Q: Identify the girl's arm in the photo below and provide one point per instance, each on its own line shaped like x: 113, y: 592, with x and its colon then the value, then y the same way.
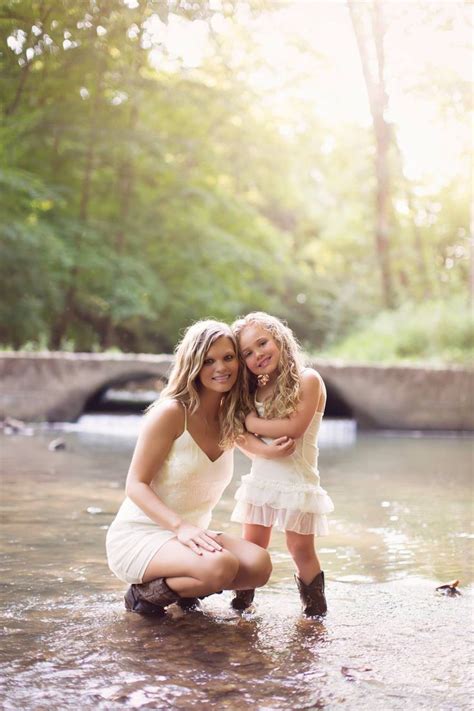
x: 253, y: 447
x: 312, y: 399
x: 161, y: 426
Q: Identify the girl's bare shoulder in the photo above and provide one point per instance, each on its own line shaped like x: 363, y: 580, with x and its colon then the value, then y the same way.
x: 312, y: 387
x: 311, y: 377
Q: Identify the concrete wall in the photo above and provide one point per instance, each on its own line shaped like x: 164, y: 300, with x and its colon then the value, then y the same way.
x: 56, y: 386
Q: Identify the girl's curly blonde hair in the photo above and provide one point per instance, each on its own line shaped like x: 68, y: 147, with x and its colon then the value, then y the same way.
x: 183, y: 383
x: 288, y: 383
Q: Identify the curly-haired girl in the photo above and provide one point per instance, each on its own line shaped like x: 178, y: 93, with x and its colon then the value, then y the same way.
x: 281, y: 397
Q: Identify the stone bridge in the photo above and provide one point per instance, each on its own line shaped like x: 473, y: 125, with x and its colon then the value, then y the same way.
x: 57, y: 386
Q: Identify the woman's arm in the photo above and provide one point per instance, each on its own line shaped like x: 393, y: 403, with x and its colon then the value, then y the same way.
x: 161, y: 426
x: 253, y: 447
x: 312, y: 399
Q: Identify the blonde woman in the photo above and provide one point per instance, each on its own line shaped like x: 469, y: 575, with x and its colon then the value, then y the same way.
x: 160, y: 542
x: 281, y: 397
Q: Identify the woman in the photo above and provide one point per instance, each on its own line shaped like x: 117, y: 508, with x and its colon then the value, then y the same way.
x: 159, y: 541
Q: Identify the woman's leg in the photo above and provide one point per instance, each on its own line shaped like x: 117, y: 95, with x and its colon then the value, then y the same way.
x: 239, y: 564
x: 303, y: 552
x: 189, y: 574
x: 255, y: 565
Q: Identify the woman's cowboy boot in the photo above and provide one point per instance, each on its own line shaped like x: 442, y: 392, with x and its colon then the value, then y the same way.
x: 242, y: 599
x: 312, y: 596
x: 150, y: 598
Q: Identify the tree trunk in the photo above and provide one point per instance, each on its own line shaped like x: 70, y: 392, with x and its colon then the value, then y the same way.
x: 125, y: 187
x: 59, y: 329
x: 378, y: 102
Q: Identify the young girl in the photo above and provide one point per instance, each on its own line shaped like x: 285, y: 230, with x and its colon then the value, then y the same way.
x: 160, y: 542
x: 281, y: 397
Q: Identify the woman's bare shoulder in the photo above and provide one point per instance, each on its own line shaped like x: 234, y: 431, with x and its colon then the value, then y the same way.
x: 168, y: 415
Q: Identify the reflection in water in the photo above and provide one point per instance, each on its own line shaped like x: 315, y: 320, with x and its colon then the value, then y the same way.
x: 399, y: 529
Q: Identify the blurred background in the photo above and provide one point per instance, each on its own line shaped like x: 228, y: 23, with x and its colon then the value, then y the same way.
x: 167, y: 161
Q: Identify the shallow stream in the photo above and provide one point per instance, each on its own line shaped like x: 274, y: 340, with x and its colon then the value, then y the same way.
x: 401, y: 527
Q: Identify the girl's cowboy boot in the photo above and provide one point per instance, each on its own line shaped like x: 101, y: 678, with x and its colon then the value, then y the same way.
x: 150, y: 598
x: 242, y: 599
x: 312, y: 596
x: 189, y: 603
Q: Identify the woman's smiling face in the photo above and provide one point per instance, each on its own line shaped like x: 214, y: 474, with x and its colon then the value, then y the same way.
x: 260, y: 351
x: 220, y: 367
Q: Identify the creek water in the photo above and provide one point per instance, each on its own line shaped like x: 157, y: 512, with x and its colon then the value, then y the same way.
x: 401, y: 527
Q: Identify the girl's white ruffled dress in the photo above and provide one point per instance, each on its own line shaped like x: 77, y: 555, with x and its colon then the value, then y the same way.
x: 286, y: 493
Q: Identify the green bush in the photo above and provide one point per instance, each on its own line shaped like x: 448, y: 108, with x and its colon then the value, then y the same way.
x: 438, y: 332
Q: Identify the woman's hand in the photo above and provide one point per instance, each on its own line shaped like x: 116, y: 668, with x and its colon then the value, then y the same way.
x: 197, y: 539
x: 280, y: 447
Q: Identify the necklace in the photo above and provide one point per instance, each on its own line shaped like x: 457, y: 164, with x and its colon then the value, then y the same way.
x: 263, y: 379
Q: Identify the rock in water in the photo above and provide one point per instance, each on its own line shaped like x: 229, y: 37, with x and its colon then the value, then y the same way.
x: 56, y: 445
x: 11, y: 426
x: 449, y: 589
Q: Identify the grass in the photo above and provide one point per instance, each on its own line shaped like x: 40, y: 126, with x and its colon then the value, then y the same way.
x: 436, y: 332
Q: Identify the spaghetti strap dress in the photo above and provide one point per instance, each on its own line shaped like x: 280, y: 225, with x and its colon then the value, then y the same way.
x: 189, y: 483
x: 286, y: 493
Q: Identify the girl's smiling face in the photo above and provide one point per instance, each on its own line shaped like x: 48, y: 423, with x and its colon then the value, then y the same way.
x: 260, y: 351
x: 220, y: 367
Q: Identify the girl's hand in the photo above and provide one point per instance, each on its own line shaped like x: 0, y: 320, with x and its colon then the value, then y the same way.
x: 280, y: 447
x: 197, y: 539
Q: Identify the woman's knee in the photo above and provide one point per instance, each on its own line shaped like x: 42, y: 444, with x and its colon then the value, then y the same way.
x: 265, y: 569
x: 221, y: 570
x: 261, y: 567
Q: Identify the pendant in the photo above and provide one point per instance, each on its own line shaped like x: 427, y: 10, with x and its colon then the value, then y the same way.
x: 263, y: 379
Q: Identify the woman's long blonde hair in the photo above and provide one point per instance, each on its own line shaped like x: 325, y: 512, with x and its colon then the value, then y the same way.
x: 183, y: 383
x: 288, y: 383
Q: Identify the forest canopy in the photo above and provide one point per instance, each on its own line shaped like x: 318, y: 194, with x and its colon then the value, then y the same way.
x: 167, y: 161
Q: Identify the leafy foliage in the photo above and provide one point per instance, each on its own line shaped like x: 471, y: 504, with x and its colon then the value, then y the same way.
x: 139, y: 192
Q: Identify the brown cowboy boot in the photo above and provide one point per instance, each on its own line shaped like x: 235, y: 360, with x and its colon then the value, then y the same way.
x: 312, y: 596
x: 150, y: 598
x: 189, y: 603
x: 242, y: 599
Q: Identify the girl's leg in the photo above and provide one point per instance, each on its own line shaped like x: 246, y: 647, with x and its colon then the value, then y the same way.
x: 259, y: 537
x: 310, y: 578
x: 303, y: 552
x: 257, y: 534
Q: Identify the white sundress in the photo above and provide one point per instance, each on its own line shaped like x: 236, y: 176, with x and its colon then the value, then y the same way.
x: 286, y: 493
x: 189, y: 483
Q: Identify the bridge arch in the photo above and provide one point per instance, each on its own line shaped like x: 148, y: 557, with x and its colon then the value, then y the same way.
x: 96, y: 401
x: 336, y: 404
x: 56, y: 386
